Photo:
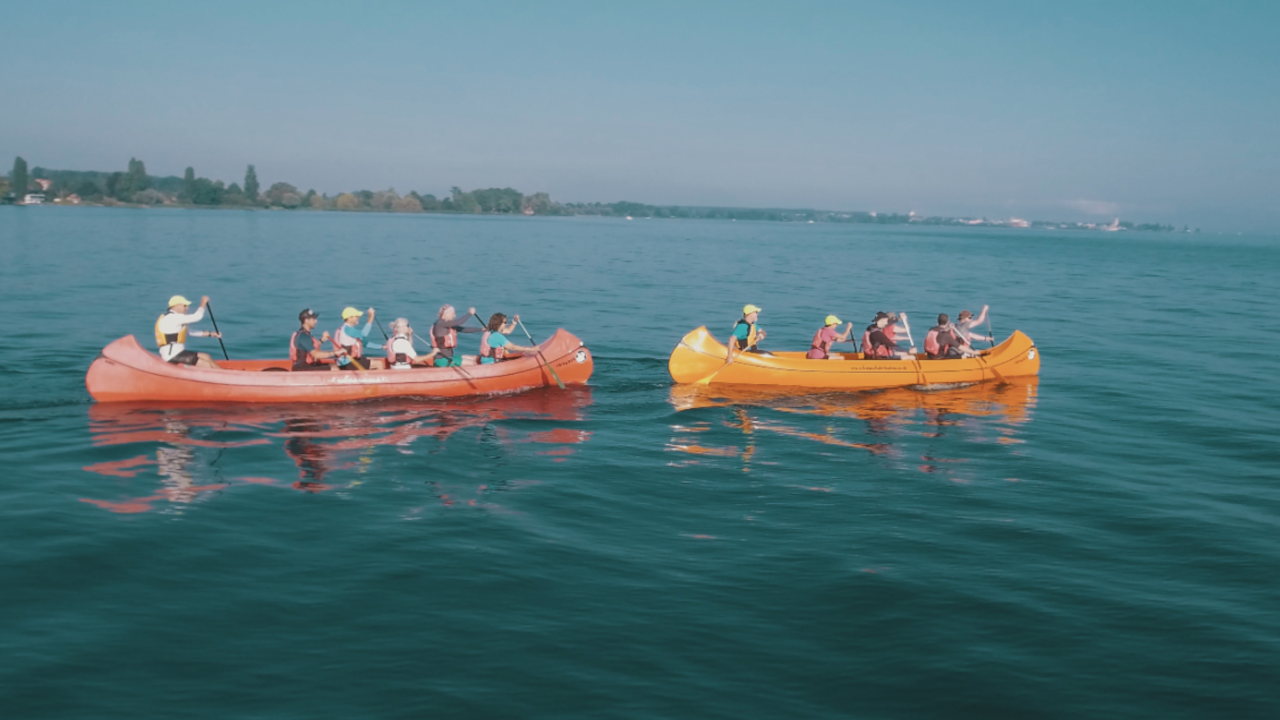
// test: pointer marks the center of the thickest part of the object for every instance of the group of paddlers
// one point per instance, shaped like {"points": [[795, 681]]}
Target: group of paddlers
{"points": [[943, 341], [349, 343]]}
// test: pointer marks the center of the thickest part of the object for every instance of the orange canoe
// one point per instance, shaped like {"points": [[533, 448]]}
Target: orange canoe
{"points": [[699, 356], [125, 372]]}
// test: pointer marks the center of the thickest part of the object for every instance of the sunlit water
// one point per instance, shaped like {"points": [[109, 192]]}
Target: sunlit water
{"points": [[1102, 542]]}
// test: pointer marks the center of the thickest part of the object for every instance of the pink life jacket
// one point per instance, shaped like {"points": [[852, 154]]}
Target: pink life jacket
{"points": [[394, 358], [486, 350], [293, 349], [354, 350], [820, 345]]}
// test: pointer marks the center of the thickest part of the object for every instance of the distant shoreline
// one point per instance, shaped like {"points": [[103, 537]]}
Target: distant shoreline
{"points": [[134, 188], [923, 222]]}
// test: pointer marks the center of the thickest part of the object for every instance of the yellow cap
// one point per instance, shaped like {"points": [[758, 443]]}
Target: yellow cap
{"points": [[832, 320], [748, 309], [178, 300], [350, 312]]}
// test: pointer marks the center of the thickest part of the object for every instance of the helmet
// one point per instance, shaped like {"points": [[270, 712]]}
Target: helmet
{"points": [[832, 320], [178, 300], [350, 312]]}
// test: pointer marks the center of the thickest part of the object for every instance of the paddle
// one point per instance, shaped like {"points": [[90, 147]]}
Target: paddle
{"points": [[991, 334], [544, 358], [907, 326], [209, 307], [385, 336]]}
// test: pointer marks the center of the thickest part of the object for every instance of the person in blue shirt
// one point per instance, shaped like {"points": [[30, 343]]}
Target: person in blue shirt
{"points": [[494, 344], [351, 338], [746, 334]]}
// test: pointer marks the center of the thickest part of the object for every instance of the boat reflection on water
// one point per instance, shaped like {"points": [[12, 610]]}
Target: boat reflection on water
{"points": [[321, 440], [987, 412]]}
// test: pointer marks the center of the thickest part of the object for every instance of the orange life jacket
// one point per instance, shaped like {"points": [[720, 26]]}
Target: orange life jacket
{"points": [[450, 339], [869, 349], [938, 341], [293, 349]]}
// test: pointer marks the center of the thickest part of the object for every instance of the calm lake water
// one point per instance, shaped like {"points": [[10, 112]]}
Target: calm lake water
{"points": [[1102, 542]]}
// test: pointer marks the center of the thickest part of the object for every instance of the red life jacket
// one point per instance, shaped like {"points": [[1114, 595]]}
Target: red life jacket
{"points": [[870, 349], [354, 350], [938, 341], [487, 350], [450, 340], [293, 349], [821, 345]]}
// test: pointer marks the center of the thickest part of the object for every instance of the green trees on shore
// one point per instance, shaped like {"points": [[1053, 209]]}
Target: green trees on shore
{"points": [[18, 179], [134, 186]]}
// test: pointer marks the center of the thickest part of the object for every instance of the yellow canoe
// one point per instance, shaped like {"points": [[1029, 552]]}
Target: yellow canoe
{"points": [[699, 356]]}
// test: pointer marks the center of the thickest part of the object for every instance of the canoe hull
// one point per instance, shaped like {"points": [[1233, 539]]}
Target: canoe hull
{"points": [[125, 372], [699, 355]]}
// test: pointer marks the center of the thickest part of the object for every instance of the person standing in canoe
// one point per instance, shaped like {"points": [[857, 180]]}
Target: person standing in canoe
{"points": [[494, 344], [304, 350], [444, 335], [820, 348], [965, 324], [400, 352], [351, 338], [171, 334], [746, 334]]}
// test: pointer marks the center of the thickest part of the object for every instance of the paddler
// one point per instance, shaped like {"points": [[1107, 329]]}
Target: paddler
{"points": [[494, 344], [400, 352], [746, 334], [820, 347], [965, 324], [304, 350], [171, 333], [351, 338], [942, 343], [876, 344], [891, 329], [444, 334]]}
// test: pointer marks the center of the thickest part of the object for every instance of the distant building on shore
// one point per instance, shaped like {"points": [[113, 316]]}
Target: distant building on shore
{"points": [[33, 199]]}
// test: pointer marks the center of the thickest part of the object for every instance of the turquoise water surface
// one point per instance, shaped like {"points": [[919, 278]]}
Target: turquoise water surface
{"points": [[1100, 542]]}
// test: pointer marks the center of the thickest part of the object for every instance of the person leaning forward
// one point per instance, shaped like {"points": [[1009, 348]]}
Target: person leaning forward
{"points": [[304, 350], [171, 333]]}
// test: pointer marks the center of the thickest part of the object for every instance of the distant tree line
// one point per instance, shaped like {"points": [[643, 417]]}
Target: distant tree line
{"points": [[133, 186]]}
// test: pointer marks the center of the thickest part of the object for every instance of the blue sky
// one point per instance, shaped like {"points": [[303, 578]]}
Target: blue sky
{"points": [[1161, 111]]}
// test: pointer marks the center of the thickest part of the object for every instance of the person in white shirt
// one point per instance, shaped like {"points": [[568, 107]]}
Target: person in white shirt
{"points": [[400, 352], [171, 334]]}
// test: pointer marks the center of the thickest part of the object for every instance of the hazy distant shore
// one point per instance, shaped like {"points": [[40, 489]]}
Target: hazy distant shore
{"points": [[134, 188]]}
